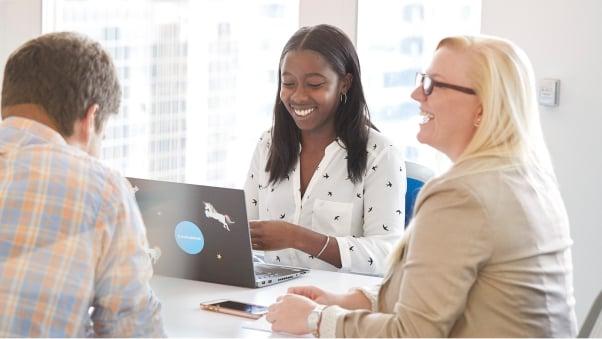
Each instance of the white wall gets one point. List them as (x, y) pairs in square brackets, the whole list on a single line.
[(563, 38), (339, 13), (20, 20)]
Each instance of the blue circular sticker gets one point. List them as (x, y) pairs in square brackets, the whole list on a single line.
[(189, 237)]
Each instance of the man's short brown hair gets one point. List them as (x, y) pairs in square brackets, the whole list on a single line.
[(65, 73)]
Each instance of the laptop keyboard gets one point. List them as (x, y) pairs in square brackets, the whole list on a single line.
[(267, 271)]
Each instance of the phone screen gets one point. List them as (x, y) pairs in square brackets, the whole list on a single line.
[(249, 308)]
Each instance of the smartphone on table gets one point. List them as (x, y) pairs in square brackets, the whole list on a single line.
[(235, 308)]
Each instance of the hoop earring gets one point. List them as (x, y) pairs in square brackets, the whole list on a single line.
[(343, 98)]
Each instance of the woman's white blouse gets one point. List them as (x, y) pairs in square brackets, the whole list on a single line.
[(367, 218)]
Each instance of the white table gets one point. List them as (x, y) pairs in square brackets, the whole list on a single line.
[(182, 316)]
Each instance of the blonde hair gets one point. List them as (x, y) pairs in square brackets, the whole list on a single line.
[(503, 79), (509, 134)]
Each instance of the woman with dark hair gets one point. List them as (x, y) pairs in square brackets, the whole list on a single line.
[(325, 189)]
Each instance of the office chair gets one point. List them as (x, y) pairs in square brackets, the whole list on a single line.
[(417, 175), (592, 326)]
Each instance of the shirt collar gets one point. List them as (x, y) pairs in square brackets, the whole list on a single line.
[(34, 128), (335, 145)]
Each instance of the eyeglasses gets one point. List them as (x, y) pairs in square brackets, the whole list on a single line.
[(427, 84)]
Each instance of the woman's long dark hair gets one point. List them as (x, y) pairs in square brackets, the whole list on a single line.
[(352, 119)]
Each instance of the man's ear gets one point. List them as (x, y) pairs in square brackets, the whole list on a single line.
[(84, 128), (88, 122)]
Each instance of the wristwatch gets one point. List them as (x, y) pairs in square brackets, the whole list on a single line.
[(313, 319)]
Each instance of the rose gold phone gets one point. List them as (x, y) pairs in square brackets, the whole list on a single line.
[(235, 308)]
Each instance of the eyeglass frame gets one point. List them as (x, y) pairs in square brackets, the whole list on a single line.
[(435, 83)]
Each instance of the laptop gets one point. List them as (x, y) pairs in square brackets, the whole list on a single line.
[(202, 233)]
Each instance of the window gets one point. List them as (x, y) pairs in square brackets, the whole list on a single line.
[(396, 39), (198, 80)]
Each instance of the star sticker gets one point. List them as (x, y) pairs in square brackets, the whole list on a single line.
[(219, 256)]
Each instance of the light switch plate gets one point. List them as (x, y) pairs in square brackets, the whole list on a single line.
[(548, 92)]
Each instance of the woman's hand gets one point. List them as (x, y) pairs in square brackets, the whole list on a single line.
[(316, 294), (272, 235), (353, 300), (289, 314)]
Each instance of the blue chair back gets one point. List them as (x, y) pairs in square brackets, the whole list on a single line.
[(417, 175)]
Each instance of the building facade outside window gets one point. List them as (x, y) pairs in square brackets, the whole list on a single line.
[(396, 39), (198, 76)]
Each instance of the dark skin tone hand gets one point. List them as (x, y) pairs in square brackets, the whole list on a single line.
[(272, 235)]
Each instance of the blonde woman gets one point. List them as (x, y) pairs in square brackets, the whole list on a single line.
[(488, 253)]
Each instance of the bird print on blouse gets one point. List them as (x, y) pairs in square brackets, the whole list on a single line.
[(335, 191)]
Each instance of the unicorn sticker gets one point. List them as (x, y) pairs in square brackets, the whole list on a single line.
[(153, 253), (224, 219)]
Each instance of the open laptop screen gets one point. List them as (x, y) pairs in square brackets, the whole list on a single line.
[(196, 232)]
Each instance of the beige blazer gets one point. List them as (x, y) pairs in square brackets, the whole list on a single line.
[(486, 255)]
